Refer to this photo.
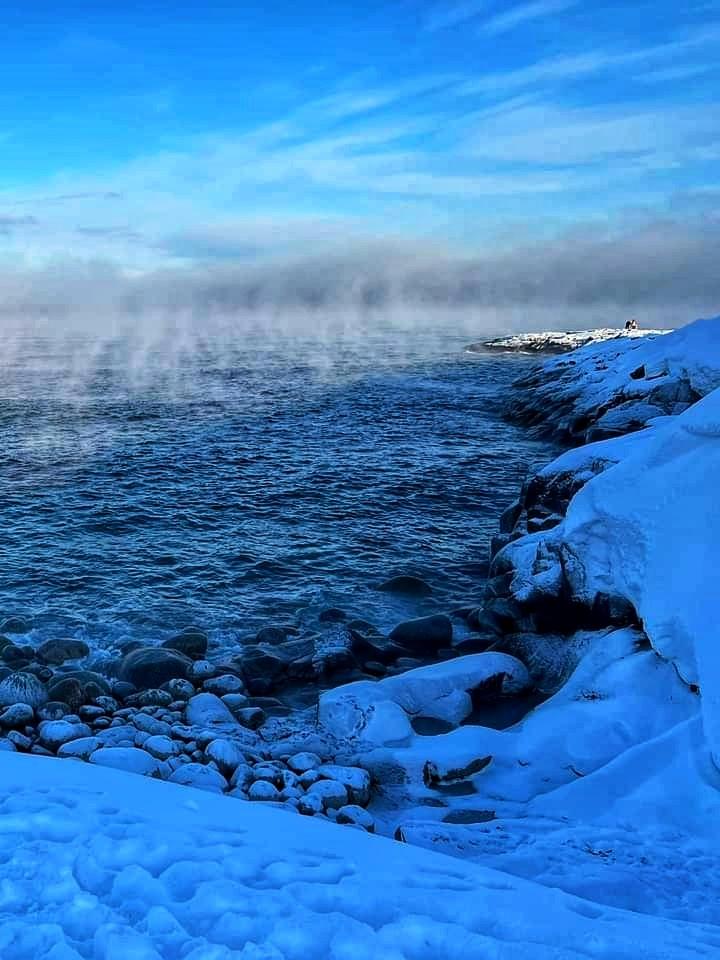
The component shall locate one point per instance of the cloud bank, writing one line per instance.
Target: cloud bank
(662, 270)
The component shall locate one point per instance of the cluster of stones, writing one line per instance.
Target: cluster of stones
(345, 649)
(173, 718)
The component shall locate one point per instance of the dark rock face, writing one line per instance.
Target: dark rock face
(68, 691)
(58, 651)
(17, 656)
(424, 635)
(150, 667)
(191, 642)
(266, 667)
(406, 585)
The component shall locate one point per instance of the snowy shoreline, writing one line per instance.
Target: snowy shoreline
(556, 341)
(600, 596)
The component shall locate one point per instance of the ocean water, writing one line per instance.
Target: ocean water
(249, 483)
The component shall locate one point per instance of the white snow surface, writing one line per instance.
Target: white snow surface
(102, 865)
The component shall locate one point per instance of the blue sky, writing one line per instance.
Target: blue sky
(163, 133)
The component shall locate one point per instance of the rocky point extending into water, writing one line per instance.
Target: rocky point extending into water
(555, 341)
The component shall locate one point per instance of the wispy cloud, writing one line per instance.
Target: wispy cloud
(680, 72)
(525, 13)
(556, 136)
(572, 66)
(453, 14)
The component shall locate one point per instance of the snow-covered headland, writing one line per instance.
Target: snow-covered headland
(586, 829)
(556, 341)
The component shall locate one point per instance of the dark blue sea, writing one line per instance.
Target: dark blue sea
(250, 482)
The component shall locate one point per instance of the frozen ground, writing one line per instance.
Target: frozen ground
(101, 864)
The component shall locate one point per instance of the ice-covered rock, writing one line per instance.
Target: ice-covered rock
(208, 710)
(161, 747)
(22, 688)
(226, 683)
(81, 749)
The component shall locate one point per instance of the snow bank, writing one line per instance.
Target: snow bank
(648, 529)
(99, 864)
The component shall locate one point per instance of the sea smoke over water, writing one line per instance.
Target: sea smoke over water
(655, 268)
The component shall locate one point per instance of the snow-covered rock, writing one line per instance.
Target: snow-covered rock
(201, 777)
(356, 816)
(54, 733)
(130, 759)
(332, 794)
(572, 394)
(208, 710)
(225, 754)
(263, 790)
(381, 712)
(355, 780)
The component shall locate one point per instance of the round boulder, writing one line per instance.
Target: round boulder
(68, 690)
(150, 667)
(22, 688)
(424, 635)
(58, 651)
(406, 586)
(191, 642)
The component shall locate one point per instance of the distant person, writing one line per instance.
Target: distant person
(631, 325)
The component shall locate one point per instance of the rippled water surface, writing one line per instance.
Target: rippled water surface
(251, 485)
